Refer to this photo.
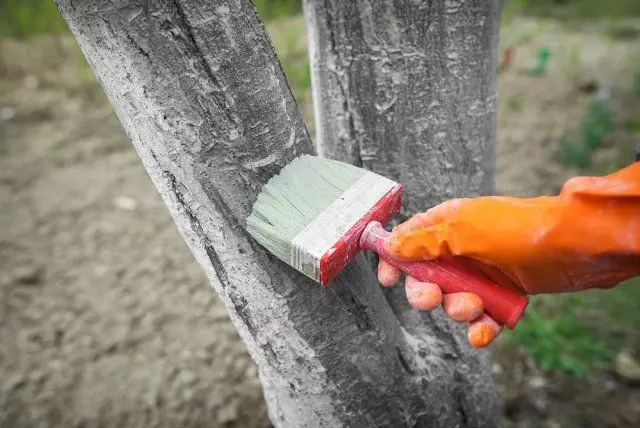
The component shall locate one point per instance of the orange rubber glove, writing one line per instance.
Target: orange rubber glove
(586, 237)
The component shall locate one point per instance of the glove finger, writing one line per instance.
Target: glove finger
(462, 307)
(483, 331)
(423, 295)
(388, 275)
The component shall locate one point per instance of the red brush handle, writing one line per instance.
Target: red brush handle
(502, 304)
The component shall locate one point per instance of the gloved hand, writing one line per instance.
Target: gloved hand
(586, 237)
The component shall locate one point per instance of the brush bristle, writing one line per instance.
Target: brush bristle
(291, 200)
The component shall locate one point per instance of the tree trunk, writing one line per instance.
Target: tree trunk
(408, 90)
(199, 90)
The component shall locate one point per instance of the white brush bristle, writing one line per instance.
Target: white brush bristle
(294, 198)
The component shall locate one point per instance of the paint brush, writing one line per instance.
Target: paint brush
(317, 214)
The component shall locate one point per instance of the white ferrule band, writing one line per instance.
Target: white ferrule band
(308, 247)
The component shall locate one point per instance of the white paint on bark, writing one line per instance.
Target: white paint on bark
(314, 241)
(408, 90)
(202, 96)
(407, 87)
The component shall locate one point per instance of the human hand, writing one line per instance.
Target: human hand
(587, 237)
(460, 307)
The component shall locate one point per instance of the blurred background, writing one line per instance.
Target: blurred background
(106, 319)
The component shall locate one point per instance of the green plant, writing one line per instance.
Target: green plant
(514, 104)
(580, 9)
(28, 17)
(287, 36)
(598, 123)
(299, 74)
(632, 124)
(273, 9)
(20, 18)
(542, 63)
(511, 9)
(574, 334)
(576, 151)
(573, 153)
(295, 59)
(561, 345)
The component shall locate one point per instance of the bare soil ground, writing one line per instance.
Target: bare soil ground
(536, 112)
(106, 319)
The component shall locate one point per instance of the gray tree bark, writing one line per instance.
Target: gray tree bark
(202, 96)
(408, 89)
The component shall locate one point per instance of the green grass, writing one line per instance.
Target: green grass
(287, 36)
(574, 334)
(21, 18)
(578, 9)
(576, 150)
(29, 17)
(561, 344)
(274, 9)
(578, 333)
(514, 104)
(632, 124)
(298, 73)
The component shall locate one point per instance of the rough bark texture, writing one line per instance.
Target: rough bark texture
(408, 89)
(203, 98)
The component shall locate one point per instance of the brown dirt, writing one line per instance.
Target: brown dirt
(106, 319)
(536, 112)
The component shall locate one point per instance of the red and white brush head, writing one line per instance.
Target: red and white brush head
(311, 214)
(339, 249)
(317, 214)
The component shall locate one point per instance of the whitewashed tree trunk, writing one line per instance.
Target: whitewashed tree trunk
(199, 90)
(408, 89)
